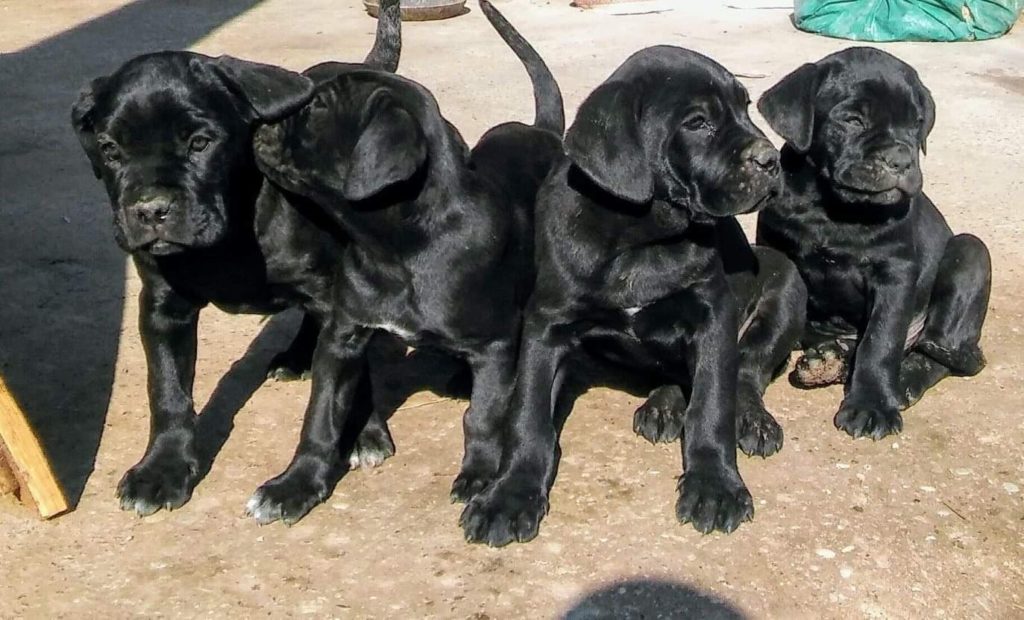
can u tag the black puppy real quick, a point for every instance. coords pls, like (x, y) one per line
(170, 136)
(441, 251)
(634, 241)
(896, 301)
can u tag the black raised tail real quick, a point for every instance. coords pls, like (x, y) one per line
(387, 47)
(550, 112)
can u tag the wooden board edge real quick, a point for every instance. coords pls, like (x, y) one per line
(27, 460)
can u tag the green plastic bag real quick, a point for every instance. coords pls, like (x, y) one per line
(908, 20)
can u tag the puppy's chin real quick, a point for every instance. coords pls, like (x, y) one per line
(739, 203)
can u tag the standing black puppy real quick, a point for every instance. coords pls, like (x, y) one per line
(634, 241)
(896, 301)
(170, 136)
(440, 252)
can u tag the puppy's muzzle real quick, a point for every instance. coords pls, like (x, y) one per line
(152, 212)
(762, 156)
(897, 159)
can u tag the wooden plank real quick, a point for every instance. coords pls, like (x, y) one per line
(26, 459)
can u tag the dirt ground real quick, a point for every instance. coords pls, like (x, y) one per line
(926, 524)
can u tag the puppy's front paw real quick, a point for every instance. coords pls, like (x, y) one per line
(163, 481)
(479, 469)
(469, 484)
(287, 498)
(873, 422)
(373, 446)
(757, 432)
(510, 511)
(660, 418)
(826, 364)
(713, 501)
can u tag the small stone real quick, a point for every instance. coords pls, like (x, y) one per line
(848, 548)
(1010, 488)
(828, 554)
(928, 489)
(962, 471)
(845, 572)
(842, 466)
(895, 445)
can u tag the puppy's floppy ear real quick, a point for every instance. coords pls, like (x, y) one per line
(927, 105)
(271, 92)
(789, 106)
(82, 121)
(604, 143)
(391, 148)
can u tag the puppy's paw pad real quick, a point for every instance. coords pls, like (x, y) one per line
(821, 366)
(660, 418)
(713, 502)
(159, 484)
(504, 515)
(373, 447)
(284, 499)
(875, 423)
(757, 432)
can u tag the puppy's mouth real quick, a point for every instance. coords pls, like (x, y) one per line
(883, 197)
(762, 202)
(162, 247)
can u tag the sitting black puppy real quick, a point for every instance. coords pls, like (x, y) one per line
(170, 136)
(440, 252)
(896, 301)
(635, 241)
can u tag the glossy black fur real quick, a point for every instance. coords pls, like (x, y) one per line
(896, 301)
(640, 261)
(440, 252)
(170, 136)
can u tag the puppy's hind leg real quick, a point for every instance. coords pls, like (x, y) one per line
(660, 418)
(956, 313)
(776, 302)
(294, 363)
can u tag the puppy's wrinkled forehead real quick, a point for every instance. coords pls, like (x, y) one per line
(872, 81)
(881, 98)
(673, 78)
(157, 93)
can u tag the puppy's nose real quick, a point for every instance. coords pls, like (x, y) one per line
(763, 155)
(151, 212)
(898, 158)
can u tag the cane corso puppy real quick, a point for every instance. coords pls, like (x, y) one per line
(170, 135)
(635, 236)
(896, 301)
(440, 252)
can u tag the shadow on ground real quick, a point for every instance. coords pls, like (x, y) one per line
(61, 275)
(646, 599)
(396, 375)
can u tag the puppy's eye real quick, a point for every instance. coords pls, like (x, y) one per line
(855, 122)
(697, 122)
(110, 151)
(198, 144)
